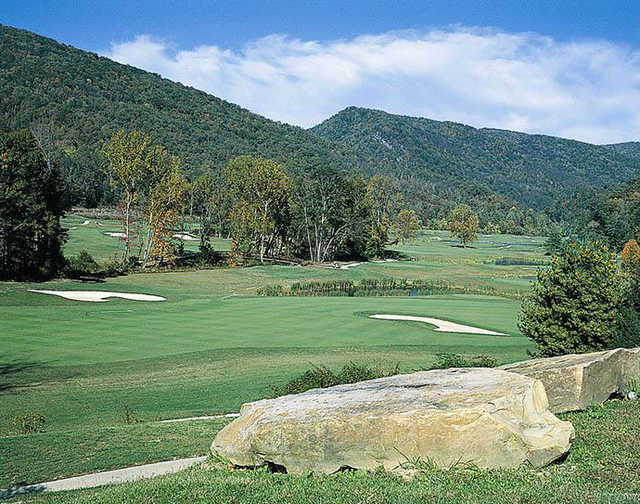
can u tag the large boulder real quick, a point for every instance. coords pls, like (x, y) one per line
(487, 417)
(576, 381)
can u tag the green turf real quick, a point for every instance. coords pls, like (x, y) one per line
(47, 456)
(92, 238)
(214, 345)
(602, 467)
(63, 332)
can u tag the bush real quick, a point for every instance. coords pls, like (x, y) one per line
(113, 268)
(451, 360)
(574, 306)
(81, 265)
(322, 377)
(29, 423)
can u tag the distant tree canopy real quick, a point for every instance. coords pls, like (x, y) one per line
(31, 204)
(611, 216)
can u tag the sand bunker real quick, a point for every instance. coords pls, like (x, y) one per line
(85, 223)
(441, 325)
(116, 235)
(99, 296)
(185, 237)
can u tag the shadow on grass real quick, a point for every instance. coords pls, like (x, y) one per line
(17, 374)
(21, 491)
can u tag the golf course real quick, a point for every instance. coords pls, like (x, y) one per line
(214, 344)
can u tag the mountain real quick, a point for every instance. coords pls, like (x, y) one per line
(88, 97)
(628, 149)
(77, 99)
(535, 170)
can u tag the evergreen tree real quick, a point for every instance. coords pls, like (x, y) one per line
(31, 205)
(575, 304)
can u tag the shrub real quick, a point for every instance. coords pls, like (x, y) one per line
(113, 268)
(29, 423)
(574, 305)
(81, 265)
(323, 377)
(451, 360)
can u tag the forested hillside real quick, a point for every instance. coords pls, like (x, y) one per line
(87, 98)
(628, 149)
(532, 169)
(73, 101)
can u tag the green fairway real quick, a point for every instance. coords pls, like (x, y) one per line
(64, 332)
(213, 344)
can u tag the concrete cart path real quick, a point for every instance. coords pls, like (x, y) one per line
(105, 478)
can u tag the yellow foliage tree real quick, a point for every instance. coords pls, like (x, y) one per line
(631, 253)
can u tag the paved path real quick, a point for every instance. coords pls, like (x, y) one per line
(209, 417)
(105, 478)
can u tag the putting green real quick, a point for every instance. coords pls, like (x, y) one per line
(64, 332)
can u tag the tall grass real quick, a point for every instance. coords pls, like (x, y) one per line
(373, 287)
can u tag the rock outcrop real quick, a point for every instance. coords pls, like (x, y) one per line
(576, 381)
(488, 417)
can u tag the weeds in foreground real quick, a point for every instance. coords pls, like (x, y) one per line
(428, 464)
(129, 415)
(29, 423)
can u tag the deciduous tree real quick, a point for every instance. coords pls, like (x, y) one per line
(406, 226)
(127, 164)
(327, 207)
(260, 191)
(463, 224)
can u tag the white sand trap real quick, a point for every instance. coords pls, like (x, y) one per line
(85, 223)
(185, 237)
(441, 325)
(115, 235)
(348, 266)
(99, 296)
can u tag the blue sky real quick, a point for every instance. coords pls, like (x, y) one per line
(567, 68)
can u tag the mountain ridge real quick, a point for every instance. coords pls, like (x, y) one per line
(525, 167)
(87, 97)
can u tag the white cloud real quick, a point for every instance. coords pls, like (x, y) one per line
(585, 90)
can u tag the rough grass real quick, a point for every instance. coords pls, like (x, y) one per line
(602, 467)
(35, 458)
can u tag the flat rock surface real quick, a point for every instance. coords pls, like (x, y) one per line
(577, 381)
(487, 417)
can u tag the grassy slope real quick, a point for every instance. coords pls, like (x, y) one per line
(211, 346)
(602, 466)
